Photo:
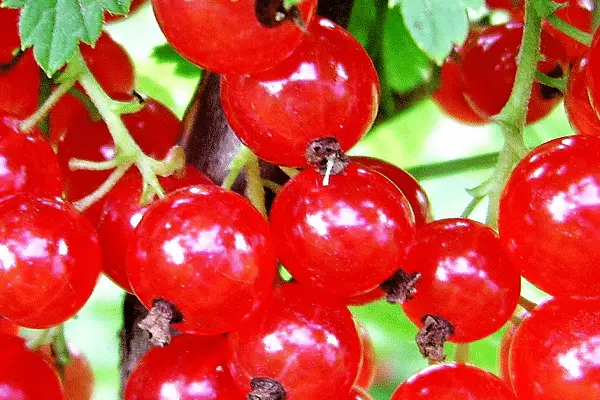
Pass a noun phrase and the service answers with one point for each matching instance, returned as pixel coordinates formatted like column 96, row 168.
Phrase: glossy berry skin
column 121, row 214
column 410, row 188
column 314, row 227
column 28, row 162
column 550, row 214
column 581, row 18
column 25, row 374
column 449, row 95
column 298, row 338
column 365, row 298
column 327, row 87
column 190, row 368
column 366, row 373
column 77, row 376
column 554, row 354
column 581, row 115
column 462, row 267
column 209, row 252
column 593, row 72
column 8, row 328
column 135, row 5
column 9, row 34
column 50, row 261
column 19, row 86
column 155, row 129
column 504, row 352
column 488, row 67
column 451, row 381
column 359, row 394
column 234, row 39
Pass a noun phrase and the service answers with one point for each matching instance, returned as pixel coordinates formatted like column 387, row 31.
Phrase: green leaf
column 165, row 54
column 55, row 27
column 404, row 64
column 287, row 4
column 436, row 25
column 13, row 3
column 473, row 4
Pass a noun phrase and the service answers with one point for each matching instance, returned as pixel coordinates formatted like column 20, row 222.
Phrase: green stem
column 255, row 191
column 556, row 83
column 569, row 30
column 102, row 190
column 42, row 338
column 596, row 16
column 60, row 347
column 236, row 166
column 73, row 72
column 291, row 172
column 471, row 206
column 272, row 186
column 79, row 164
column 527, row 304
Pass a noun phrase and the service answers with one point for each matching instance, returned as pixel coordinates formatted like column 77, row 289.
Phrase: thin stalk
column 556, row 83
column 569, row 30
column 236, row 166
column 60, row 347
column 527, row 304
column 255, row 191
column 103, row 189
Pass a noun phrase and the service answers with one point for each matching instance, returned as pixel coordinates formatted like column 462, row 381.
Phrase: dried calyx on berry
column 435, row 332
column 266, row 389
column 400, row 287
column 272, row 13
column 326, row 156
column 158, row 322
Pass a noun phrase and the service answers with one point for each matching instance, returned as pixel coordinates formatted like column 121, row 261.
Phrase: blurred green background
column 418, row 139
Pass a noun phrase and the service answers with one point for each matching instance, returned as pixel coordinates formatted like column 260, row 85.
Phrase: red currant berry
column 327, row 87
column 449, row 94
column 593, row 72
column 49, row 261
column 8, row 328
column 366, row 373
column 507, row 5
column 550, row 214
column 10, row 42
column 240, row 37
column 359, row 394
column 25, row 374
column 110, row 64
column 452, row 381
column 20, row 85
column 320, row 231
column 155, row 129
column 462, row 267
column 579, row 17
column 77, row 375
column 135, row 5
column 121, row 214
column 488, row 67
column 27, row 162
column 206, row 250
column 408, row 185
column 581, row 115
column 503, row 354
column 67, row 109
column 190, row 368
column 298, row 339
column 555, row 352
column 368, row 297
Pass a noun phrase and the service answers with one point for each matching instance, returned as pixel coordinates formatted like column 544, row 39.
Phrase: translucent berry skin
column 554, row 354
column 450, row 98
column 451, row 381
column 410, row 188
column 209, row 252
column 298, row 339
column 488, row 67
column 9, row 34
column 327, row 87
column 593, row 72
column 8, row 328
column 550, row 214
column 77, row 376
column 28, row 162
column 503, row 354
column 578, row 16
column 121, row 214
column 19, row 86
column 365, row 298
column 314, row 226
column 190, row 368
column 462, row 267
column 366, row 373
column 582, row 117
column 50, row 261
column 235, row 41
column 25, row 374
column 155, row 129
column 359, row 394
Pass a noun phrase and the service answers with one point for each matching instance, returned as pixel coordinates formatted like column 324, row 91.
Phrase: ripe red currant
column 27, row 162
column 190, row 368
column 344, row 238
column 359, row 394
column 593, row 72
column 452, row 381
column 20, row 85
column 25, row 374
column 298, row 339
column 10, row 42
column 327, row 87
column 366, row 373
column 578, row 16
column 555, row 353
column 462, row 267
column 550, row 214
column 206, row 250
column 488, row 67
column 8, row 328
column 77, row 375
column 581, row 115
column 49, row 260
column 121, row 214
column 241, row 37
